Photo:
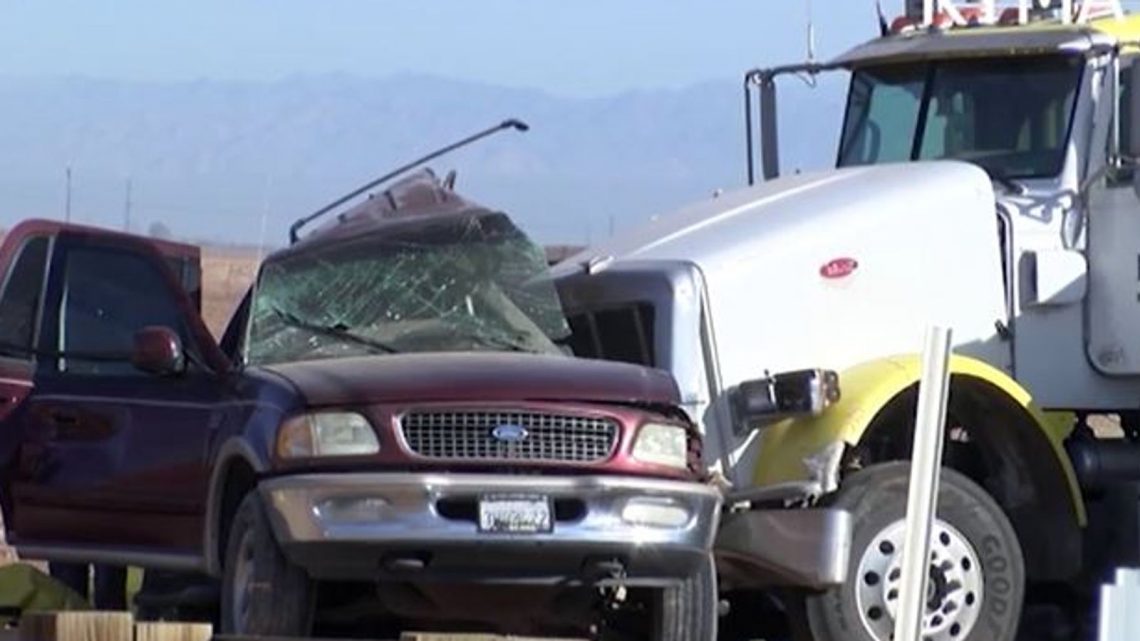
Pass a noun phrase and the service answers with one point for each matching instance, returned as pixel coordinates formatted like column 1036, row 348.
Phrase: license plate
column 514, row 514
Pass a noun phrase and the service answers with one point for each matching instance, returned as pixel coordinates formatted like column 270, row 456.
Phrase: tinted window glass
column 107, row 297
column 1009, row 116
column 882, row 113
column 1012, row 117
column 187, row 272
column 21, row 300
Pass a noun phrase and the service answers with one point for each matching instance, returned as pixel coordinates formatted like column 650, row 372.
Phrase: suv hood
column 475, row 376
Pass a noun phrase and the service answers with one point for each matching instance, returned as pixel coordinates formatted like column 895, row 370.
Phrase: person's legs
column 74, row 575
column 110, row 587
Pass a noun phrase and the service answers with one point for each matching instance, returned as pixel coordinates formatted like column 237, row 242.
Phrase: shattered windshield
column 455, row 283
column 1009, row 116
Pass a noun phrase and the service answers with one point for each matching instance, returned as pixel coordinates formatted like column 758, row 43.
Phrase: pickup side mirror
column 158, row 350
column 800, row 393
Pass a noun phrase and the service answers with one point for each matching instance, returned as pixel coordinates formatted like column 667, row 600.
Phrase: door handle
column 64, row 419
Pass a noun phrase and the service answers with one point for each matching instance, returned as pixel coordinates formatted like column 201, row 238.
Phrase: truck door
column 113, row 457
column 23, row 265
column 1114, row 259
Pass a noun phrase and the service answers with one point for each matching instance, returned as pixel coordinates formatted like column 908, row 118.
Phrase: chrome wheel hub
column 954, row 591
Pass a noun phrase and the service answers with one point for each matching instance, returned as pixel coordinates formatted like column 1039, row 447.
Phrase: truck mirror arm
column 764, row 80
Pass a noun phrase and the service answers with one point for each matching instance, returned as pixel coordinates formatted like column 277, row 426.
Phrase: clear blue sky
column 582, row 48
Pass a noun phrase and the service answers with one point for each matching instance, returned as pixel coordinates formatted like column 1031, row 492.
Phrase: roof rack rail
column 512, row 123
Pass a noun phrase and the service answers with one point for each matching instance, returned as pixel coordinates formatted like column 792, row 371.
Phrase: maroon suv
column 391, row 419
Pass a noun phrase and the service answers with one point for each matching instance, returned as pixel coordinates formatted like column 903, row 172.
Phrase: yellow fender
column 868, row 387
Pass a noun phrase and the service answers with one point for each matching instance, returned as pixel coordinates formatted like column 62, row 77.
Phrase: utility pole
column 67, row 197
column 127, row 208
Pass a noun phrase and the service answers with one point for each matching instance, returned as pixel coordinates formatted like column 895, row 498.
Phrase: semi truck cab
column 984, row 180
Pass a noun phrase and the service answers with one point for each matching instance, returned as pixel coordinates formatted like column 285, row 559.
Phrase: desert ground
column 226, row 273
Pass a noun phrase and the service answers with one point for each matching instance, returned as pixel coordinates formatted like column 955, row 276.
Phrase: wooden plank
column 164, row 631
column 76, row 626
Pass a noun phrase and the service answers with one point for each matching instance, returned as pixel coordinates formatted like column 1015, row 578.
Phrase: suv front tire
column 262, row 592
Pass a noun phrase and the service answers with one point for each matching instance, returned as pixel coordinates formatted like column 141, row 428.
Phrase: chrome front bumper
column 807, row 548
column 424, row 526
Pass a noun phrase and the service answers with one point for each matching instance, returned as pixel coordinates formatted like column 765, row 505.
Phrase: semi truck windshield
column 1010, row 116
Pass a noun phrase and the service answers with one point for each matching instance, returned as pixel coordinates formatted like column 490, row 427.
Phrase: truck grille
column 509, row 436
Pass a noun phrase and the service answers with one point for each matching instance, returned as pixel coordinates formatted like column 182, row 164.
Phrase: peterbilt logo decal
column 509, row 433
column 838, row 268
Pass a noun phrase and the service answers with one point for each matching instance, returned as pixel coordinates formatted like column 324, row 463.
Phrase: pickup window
column 21, row 300
column 109, row 295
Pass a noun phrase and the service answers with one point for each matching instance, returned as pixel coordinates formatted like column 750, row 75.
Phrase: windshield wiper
column 501, row 342
column 1004, row 180
column 492, row 337
column 335, row 331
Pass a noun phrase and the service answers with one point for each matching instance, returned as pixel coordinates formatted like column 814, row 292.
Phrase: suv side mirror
column 158, row 350
column 801, row 393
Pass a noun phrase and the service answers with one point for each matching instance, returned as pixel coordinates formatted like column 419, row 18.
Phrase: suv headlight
column 662, row 444
column 326, row 434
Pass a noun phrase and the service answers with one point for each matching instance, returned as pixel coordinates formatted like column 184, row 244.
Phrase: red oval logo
column 838, row 268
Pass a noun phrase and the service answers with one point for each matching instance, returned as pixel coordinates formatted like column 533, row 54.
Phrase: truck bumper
column 807, row 548
column 426, row 527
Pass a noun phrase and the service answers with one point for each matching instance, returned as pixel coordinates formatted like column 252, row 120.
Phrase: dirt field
column 226, row 273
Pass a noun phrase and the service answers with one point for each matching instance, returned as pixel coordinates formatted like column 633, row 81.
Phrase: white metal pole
column 922, row 495
column 927, row 12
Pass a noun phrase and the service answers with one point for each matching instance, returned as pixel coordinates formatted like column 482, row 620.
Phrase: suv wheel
column 977, row 574
column 262, row 593
column 686, row 611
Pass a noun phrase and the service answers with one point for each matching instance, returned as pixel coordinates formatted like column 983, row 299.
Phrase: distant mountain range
column 208, row 158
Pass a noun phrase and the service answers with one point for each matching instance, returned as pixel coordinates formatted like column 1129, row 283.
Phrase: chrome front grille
column 509, row 436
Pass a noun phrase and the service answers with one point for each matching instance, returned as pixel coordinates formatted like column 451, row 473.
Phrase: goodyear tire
column 688, row 611
column 262, row 593
column 977, row 571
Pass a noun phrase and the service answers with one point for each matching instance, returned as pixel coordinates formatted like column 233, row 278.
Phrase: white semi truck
column 986, row 178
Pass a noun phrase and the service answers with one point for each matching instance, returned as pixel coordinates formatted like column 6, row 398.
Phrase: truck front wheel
column 977, row 574
column 262, row 593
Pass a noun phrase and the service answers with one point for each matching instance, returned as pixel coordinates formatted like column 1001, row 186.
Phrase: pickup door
column 103, row 461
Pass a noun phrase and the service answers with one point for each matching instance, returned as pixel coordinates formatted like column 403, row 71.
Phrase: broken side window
column 107, row 297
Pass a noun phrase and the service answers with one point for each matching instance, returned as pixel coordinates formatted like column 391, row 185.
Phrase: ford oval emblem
column 838, row 268
column 509, row 433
